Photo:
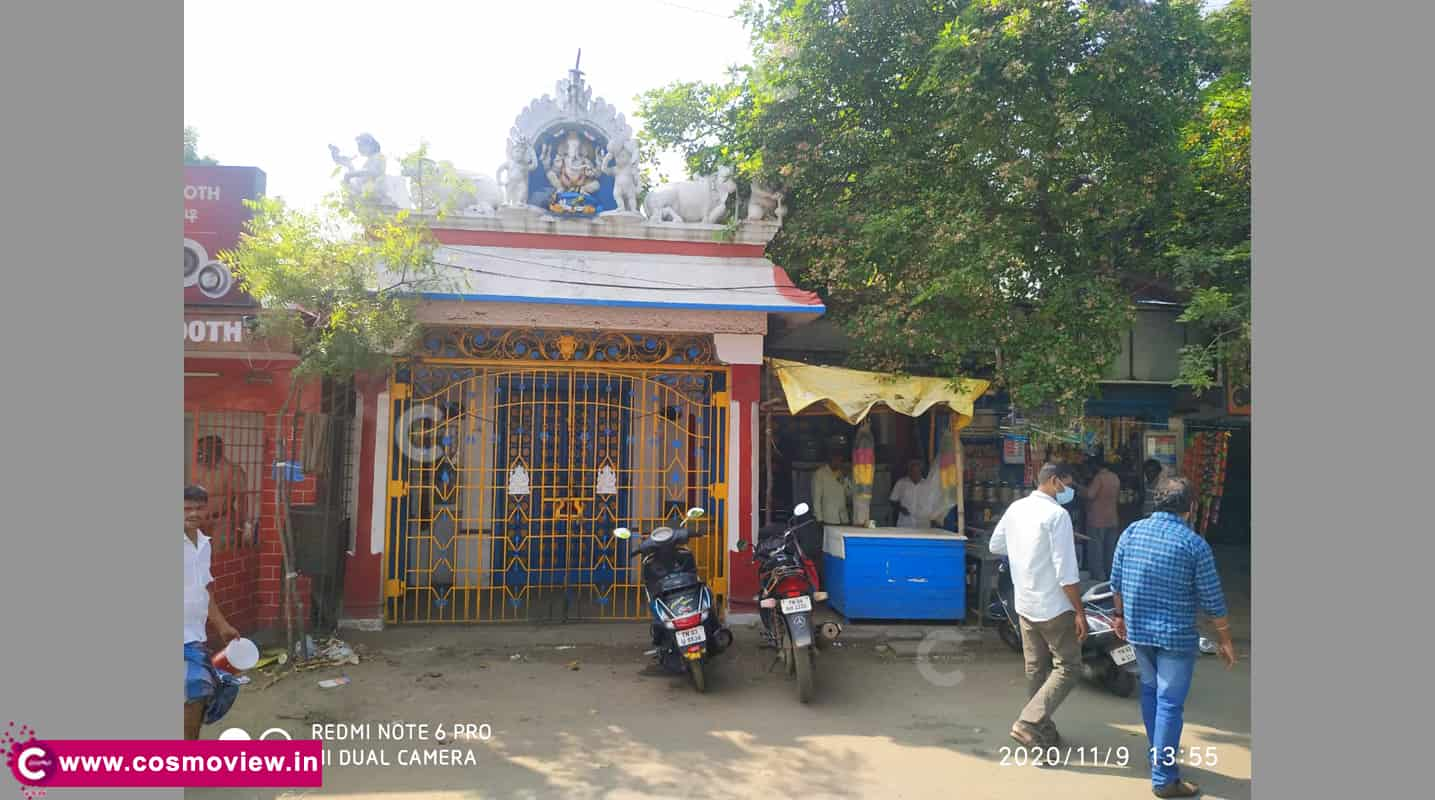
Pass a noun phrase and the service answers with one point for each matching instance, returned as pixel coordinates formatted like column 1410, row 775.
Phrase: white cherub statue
column 765, row 202
column 513, row 174
column 366, row 181
column 625, row 175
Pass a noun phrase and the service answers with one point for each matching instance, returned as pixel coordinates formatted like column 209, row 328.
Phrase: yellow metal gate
column 508, row 475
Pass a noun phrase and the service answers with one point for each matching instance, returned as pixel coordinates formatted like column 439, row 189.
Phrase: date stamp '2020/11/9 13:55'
column 1105, row 756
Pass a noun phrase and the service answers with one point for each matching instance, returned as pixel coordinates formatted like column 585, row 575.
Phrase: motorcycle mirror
column 802, row 508
column 622, row 533
column 696, row 513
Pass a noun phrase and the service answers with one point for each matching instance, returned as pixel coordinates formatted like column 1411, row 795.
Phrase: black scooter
column 686, row 630
column 1105, row 658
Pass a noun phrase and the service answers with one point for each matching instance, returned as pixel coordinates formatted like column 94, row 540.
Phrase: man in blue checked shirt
column 1162, row 573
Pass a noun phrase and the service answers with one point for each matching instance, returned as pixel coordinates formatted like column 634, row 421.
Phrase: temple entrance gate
column 515, row 454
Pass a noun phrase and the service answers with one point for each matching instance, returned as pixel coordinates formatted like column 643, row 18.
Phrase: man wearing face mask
column 1036, row 536
column 1162, row 573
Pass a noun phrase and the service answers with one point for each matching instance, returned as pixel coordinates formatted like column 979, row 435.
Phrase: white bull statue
column 435, row 185
column 700, row 200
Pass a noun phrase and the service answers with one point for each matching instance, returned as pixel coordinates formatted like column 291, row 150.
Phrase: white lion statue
column 700, row 200
column 478, row 195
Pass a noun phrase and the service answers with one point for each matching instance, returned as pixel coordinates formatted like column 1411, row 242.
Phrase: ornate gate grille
column 509, row 475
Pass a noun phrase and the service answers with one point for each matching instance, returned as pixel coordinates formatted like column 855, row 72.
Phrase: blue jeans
column 1100, row 547
column 1165, row 682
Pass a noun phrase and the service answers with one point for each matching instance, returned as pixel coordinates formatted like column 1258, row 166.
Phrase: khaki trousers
column 1053, row 665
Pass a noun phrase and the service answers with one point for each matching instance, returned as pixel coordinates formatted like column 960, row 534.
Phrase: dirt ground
column 579, row 722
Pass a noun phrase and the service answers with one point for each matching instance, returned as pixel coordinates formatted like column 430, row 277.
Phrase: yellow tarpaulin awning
column 851, row 394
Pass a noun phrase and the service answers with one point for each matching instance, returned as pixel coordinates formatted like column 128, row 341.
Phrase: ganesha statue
column 572, row 170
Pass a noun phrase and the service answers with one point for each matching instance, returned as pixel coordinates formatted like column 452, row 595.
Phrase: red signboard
column 214, row 215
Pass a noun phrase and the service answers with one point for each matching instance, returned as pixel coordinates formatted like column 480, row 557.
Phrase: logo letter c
column 22, row 763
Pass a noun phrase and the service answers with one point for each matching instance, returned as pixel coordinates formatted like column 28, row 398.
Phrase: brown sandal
column 1026, row 734
column 1179, row 788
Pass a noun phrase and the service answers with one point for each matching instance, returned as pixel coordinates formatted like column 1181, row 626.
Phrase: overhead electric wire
column 680, row 288
column 671, row 286
column 552, row 266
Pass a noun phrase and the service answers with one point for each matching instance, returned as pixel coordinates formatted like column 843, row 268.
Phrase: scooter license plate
column 795, row 605
column 1124, row 654
column 696, row 635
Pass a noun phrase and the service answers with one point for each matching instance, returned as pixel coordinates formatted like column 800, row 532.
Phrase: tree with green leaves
column 1209, row 242
column 339, row 285
column 191, row 148
column 971, row 184
column 700, row 119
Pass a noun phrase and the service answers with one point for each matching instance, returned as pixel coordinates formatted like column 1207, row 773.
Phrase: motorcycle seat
column 767, row 547
column 677, row 581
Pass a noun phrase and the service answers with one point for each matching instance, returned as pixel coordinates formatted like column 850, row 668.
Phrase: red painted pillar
column 363, row 575
column 743, row 461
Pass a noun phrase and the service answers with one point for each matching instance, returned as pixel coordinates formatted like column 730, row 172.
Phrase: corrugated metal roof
column 509, row 274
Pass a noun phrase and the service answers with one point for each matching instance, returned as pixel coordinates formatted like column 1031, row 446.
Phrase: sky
column 271, row 84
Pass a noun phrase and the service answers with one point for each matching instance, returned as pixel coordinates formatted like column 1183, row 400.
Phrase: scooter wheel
column 695, row 671
column 1119, row 682
column 1010, row 635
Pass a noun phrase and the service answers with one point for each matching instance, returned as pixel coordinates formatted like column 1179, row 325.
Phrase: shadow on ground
column 882, row 726
column 878, row 728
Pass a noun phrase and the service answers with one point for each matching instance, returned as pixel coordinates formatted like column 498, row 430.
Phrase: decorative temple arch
column 597, row 347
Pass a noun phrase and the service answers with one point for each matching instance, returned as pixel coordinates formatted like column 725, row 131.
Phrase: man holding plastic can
column 208, row 694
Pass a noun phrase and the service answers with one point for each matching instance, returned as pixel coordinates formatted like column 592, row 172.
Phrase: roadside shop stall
column 1003, row 459
column 1205, row 463
column 1002, row 463
column 873, row 569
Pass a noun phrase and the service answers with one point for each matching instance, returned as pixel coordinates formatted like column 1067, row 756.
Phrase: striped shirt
column 1164, row 572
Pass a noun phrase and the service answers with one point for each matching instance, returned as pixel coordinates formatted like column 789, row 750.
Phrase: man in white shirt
column 202, row 683
column 904, row 495
column 1036, row 536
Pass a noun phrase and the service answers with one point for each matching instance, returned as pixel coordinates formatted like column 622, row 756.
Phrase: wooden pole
column 932, row 439
column 768, row 446
column 961, row 478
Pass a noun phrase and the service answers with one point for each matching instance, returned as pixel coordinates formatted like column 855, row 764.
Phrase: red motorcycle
column 790, row 588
